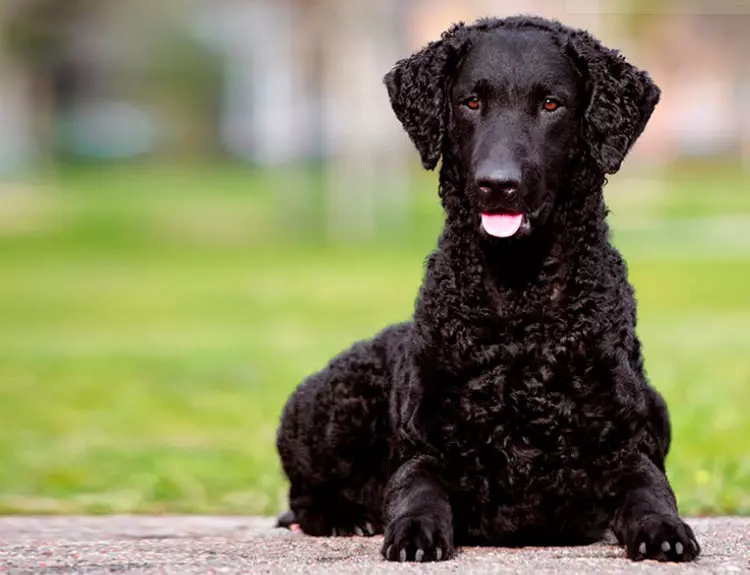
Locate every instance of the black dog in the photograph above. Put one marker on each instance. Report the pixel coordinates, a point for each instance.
(514, 409)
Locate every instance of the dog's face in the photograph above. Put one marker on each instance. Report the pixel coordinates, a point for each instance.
(515, 102)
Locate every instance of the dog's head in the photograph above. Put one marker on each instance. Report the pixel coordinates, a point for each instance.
(517, 102)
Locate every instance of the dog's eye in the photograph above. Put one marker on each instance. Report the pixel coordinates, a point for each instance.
(471, 103)
(550, 104)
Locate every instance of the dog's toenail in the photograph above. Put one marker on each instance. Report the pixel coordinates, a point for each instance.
(418, 556)
(678, 548)
(402, 555)
(388, 554)
(438, 553)
(642, 548)
(334, 532)
(665, 546)
(369, 529)
(358, 531)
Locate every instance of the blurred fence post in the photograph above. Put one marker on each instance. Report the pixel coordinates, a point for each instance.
(365, 180)
(268, 114)
(16, 143)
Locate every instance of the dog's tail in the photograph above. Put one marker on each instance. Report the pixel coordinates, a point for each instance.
(286, 519)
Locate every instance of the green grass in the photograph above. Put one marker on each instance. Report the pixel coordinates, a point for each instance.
(153, 321)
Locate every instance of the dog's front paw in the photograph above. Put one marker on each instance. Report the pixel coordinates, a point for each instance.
(419, 538)
(662, 538)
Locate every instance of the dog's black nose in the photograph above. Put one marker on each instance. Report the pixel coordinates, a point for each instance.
(504, 179)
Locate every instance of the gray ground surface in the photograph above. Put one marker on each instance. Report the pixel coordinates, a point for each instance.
(183, 545)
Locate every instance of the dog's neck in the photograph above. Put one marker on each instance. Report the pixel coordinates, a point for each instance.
(473, 291)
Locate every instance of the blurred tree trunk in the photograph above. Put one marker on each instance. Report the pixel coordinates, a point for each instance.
(35, 36)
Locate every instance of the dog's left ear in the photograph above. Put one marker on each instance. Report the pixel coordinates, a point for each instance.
(417, 87)
(622, 98)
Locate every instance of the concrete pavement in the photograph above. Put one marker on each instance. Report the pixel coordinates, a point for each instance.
(185, 545)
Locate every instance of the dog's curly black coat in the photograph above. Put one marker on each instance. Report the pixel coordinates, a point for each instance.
(514, 408)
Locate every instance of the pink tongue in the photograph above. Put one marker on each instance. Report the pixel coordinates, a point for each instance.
(501, 225)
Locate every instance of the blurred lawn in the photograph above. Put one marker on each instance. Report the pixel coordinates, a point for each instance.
(153, 321)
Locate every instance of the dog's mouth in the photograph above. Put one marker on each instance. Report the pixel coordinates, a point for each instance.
(502, 224)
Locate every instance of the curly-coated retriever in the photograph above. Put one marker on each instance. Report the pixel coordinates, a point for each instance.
(514, 408)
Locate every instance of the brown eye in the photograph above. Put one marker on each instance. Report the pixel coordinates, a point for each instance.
(472, 103)
(550, 104)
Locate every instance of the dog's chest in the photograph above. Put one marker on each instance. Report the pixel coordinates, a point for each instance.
(545, 420)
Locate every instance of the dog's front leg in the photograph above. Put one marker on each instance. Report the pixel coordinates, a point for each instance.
(419, 520)
(647, 523)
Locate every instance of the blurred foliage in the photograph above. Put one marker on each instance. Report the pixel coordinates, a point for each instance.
(37, 29)
(186, 77)
(153, 320)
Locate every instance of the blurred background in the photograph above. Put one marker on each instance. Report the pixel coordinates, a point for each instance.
(201, 201)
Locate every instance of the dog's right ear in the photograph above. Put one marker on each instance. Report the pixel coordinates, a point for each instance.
(622, 99)
(417, 87)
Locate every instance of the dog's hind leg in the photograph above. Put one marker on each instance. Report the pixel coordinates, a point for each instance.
(334, 446)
